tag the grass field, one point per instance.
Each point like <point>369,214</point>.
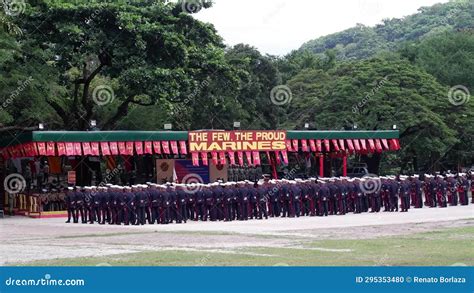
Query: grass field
<point>453,246</point>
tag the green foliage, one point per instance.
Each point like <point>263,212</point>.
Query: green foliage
<point>364,42</point>
<point>157,64</point>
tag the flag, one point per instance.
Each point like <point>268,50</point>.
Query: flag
<point>295,145</point>
<point>334,143</point>
<point>77,149</point>
<point>256,158</point>
<point>129,145</point>
<point>166,147</point>
<point>304,145</point>
<point>122,148</point>
<point>148,149</point>
<point>231,157</point>
<point>326,145</point>
<point>195,157</point>
<point>61,149</point>
<point>205,161</point>
<point>215,160</point>
<point>86,148</point>
<point>104,147</point>
<point>174,147</point>
<point>113,148</point>
<point>312,145</point>
<point>95,148</point>
<point>240,156</point>
<point>183,148</point>
<point>139,147</point>
<point>248,155</point>
<point>341,144</point>
<point>288,146</point>
<point>222,158</point>
<point>157,147</point>
<point>50,149</point>
<point>284,154</point>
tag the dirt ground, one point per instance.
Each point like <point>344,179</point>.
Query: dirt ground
<point>24,240</point>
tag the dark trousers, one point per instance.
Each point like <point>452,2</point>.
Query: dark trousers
<point>141,215</point>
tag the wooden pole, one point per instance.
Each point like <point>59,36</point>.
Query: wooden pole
<point>321,165</point>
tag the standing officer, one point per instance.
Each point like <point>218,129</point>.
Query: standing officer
<point>253,195</point>
<point>228,197</point>
<point>324,198</point>
<point>155,204</point>
<point>68,199</point>
<point>79,204</point>
<point>95,198</point>
<point>142,203</point>
<point>405,195</point>
<point>182,208</point>
<point>262,200</point>
<point>128,207</point>
<point>394,190</point>
<point>104,205</point>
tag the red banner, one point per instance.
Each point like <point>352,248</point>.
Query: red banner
<point>104,147</point>
<point>139,147</point>
<point>248,155</point>
<point>182,147</point>
<point>248,141</point>
<point>231,157</point>
<point>289,147</point>
<point>256,158</point>
<point>130,148</point>
<point>304,145</point>
<point>157,147</point>
<point>240,156</point>
<point>113,148</point>
<point>174,147</point>
<point>77,149</point>
<point>195,157</point>
<point>295,145</point>
<point>61,149</point>
<point>86,149</point>
<point>215,160</point>
<point>122,148</point>
<point>341,144</point>
<point>222,159</point>
<point>50,149</point>
<point>95,148</point>
<point>148,148</point>
<point>166,147</point>
<point>204,159</point>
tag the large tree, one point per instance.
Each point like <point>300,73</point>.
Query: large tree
<point>111,56</point>
<point>376,94</point>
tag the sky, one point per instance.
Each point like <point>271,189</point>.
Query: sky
<point>277,27</point>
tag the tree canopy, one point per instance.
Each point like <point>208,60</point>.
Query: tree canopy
<point>140,64</point>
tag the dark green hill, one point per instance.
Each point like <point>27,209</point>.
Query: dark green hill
<point>363,42</point>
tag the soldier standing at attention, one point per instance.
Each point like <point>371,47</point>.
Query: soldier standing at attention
<point>155,204</point>
<point>394,190</point>
<point>68,199</point>
<point>405,194</point>
<point>324,197</point>
<point>79,204</point>
<point>128,218</point>
<point>262,200</point>
<point>142,204</point>
<point>463,189</point>
<point>103,204</point>
<point>181,213</point>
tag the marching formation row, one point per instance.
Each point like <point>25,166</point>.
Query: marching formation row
<point>168,203</point>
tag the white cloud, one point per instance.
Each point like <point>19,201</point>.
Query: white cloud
<point>279,26</point>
